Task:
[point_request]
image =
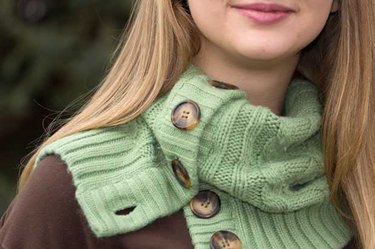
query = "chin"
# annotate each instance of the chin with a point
(260, 51)
(262, 56)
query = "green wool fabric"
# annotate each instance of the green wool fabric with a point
(266, 169)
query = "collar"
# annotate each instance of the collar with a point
(272, 162)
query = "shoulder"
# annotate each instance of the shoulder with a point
(88, 152)
(45, 214)
(88, 140)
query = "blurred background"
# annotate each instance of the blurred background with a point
(51, 53)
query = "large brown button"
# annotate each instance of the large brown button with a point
(186, 115)
(222, 85)
(225, 240)
(205, 204)
(181, 173)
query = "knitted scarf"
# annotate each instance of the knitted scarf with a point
(267, 169)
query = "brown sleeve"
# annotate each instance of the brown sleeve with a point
(45, 214)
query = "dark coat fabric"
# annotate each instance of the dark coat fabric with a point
(45, 214)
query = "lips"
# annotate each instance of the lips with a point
(264, 7)
(264, 13)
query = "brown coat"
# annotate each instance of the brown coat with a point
(46, 215)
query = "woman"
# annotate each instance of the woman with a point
(209, 132)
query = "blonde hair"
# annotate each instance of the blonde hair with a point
(161, 39)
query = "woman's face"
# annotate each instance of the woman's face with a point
(224, 27)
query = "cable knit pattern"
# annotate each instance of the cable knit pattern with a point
(267, 169)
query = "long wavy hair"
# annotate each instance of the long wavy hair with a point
(161, 39)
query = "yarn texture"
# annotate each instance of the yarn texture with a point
(266, 169)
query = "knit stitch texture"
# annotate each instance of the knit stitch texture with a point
(266, 169)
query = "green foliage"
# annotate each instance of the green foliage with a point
(55, 49)
(6, 193)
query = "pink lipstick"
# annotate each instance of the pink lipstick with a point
(263, 13)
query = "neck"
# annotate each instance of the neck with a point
(265, 82)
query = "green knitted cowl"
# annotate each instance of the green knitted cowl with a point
(266, 169)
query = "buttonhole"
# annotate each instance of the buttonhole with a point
(125, 211)
(298, 186)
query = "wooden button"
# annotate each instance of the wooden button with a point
(225, 240)
(186, 115)
(222, 85)
(205, 204)
(181, 173)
